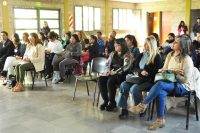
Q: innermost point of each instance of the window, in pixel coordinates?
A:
(87, 18)
(123, 19)
(31, 20)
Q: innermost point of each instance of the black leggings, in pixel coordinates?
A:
(108, 86)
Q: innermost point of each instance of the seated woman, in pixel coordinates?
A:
(93, 48)
(71, 55)
(146, 65)
(181, 63)
(54, 47)
(167, 46)
(19, 51)
(113, 75)
(43, 39)
(132, 45)
(33, 59)
(66, 40)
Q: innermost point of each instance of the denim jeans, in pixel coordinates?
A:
(135, 90)
(159, 91)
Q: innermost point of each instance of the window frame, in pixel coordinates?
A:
(133, 12)
(38, 19)
(94, 29)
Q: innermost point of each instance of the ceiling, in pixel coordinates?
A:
(138, 1)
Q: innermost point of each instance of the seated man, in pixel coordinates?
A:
(6, 48)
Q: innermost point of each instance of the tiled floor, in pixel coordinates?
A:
(51, 110)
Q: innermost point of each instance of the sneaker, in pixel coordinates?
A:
(61, 80)
(55, 81)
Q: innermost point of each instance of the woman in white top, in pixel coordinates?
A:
(33, 59)
(54, 47)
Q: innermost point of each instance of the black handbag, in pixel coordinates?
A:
(135, 79)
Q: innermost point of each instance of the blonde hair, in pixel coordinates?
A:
(153, 49)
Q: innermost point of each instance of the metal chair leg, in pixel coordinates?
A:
(95, 89)
(148, 112)
(45, 79)
(152, 110)
(188, 111)
(76, 82)
(87, 88)
(33, 78)
(196, 106)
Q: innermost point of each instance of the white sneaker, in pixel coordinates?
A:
(56, 77)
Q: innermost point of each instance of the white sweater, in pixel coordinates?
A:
(36, 55)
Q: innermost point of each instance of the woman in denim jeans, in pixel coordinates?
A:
(147, 64)
(181, 63)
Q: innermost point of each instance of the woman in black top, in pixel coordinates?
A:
(111, 78)
(146, 66)
(93, 48)
(19, 51)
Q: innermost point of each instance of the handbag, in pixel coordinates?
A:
(135, 79)
(78, 70)
(167, 75)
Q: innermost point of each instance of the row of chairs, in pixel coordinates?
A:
(98, 66)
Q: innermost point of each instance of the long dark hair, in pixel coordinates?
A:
(180, 24)
(75, 36)
(16, 36)
(43, 37)
(132, 39)
(95, 39)
(122, 43)
(157, 38)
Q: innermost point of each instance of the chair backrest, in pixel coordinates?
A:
(98, 64)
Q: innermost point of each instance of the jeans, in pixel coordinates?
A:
(9, 65)
(135, 90)
(20, 71)
(159, 91)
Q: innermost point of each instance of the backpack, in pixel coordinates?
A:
(78, 70)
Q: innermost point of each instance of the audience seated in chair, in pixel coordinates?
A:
(11, 61)
(34, 57)
(70, 56)
(181, 63)
(54, 47)
(6, 48)
(145, 68)
(113, 75)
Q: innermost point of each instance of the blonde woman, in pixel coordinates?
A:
(34, 57)
(181, 63)
(147, 65)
